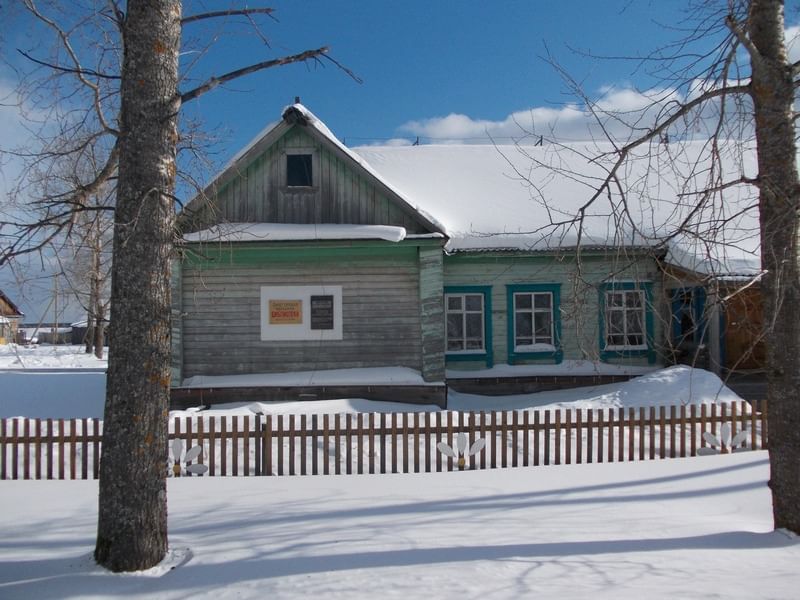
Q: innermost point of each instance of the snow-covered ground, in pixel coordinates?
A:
(14, 356)
(71, 391)
(686, 528)
(682, 528)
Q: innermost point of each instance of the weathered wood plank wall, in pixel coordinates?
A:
(339, 194)
(380, 312)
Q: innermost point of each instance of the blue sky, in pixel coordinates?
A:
(424, 60)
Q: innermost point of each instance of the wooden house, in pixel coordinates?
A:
(310, 269)
(299, 258)
(10, 317)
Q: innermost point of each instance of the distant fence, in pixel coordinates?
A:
(391, 443)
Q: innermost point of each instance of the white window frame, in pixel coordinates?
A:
(533, 311)
(314, 168)
(464, 312)
(625, 309)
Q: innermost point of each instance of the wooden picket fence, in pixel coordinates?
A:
(390, 443)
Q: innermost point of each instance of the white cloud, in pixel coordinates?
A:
(614, 107)
(619, 109)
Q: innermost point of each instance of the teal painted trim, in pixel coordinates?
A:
(487, 356)
(215, 255)
(698, 309)
(553, 288)
(650, 351)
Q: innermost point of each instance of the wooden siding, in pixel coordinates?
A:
(432, 313)
(579, 293)
(176, 356)
(744, 330)
(340, 194)
(380, 311)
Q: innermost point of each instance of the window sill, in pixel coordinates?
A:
(469, 356)
(555, 355)
(641, 348)
(608, 353)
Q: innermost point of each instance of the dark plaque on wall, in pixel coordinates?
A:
(321, 312)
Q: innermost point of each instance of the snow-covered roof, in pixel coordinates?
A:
(15, 311)
(528, 198)
(295, 113)
(279, 232)
(537, 198)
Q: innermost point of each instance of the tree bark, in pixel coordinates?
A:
(88, 337)
(779, 205)
(132, 519)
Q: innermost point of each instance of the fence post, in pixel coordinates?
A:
(525, 441)
(348, 428)
(589, 435)
(314, 453)
(258, 444)
(360, 443)
(483, 434)
(292, 445)
(600, 433)
(266, 466)
(632, 434)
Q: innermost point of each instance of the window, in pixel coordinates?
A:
(468, 323)
(534, 322)
(299, 171)
(625, 316)
(688, 323)
(465, 323)
(626, 320)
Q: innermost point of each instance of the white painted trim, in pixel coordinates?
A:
(301, 331)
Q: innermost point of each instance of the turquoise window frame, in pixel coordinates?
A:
(555, 290)
(649, 352)
(487, 356)
(698, 307)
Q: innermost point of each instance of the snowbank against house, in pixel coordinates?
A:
(53, 382)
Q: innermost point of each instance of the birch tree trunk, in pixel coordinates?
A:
(779, 204)
(132, 521)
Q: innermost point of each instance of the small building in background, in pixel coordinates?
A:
(80, 329)
(10, 317)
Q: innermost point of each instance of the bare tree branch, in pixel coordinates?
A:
(75, 71)
(227, 13)
(216, 81)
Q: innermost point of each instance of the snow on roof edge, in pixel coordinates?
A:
(323, 130)
(276, 232)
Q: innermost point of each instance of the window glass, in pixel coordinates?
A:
(533, 318)
(523, 325)
(298, 170)
(465, 322)
(625, 319)
(543, 327)
(474, 302)
(454, 302)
